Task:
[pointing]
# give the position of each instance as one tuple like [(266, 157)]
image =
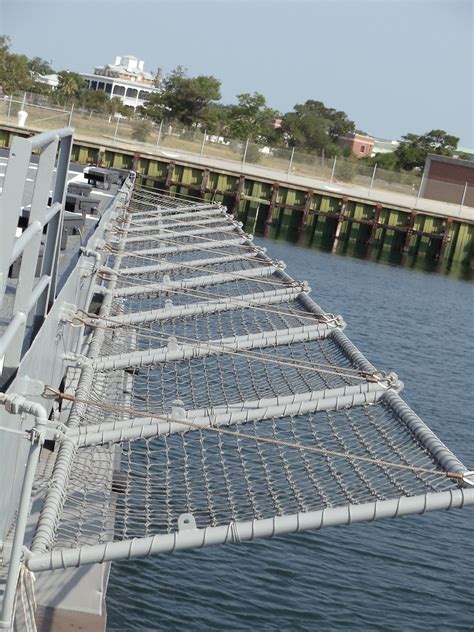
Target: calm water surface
[(407, 574)]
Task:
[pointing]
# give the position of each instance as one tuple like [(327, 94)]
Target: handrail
[(54, 153)]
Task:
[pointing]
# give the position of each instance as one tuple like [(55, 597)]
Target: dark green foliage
[(71, 88), (250, 118), (97, 101), (384, 161), (14, 73), (116, 105), (184, 99), (193, 101), (346, 169), (413, 149), (141, 129), (253, 154), (314, 127), (39, 66)]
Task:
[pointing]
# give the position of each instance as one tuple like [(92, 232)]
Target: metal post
[(245, 152), (53, 236), (333, 169), (372, 180), (10, 106), (463, 196), (159, 135), (116, 129), (69, 124), (291, 161), (256, 218), (29, 260), (419, 190), (203, 143), (37, 434)]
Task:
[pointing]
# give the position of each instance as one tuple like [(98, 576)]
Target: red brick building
[(360, 145), (448, 180)]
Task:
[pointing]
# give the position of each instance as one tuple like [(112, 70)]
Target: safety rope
[(195, 247), (254, 355), (326, 318), (26, 592), (51, 392), (163, 228), (236, 275)]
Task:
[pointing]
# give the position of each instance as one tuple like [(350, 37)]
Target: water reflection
[(390, 254)]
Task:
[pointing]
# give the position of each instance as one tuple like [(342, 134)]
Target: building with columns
[(125, 79)]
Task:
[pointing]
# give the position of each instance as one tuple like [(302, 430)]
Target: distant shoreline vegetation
[(194, 102)]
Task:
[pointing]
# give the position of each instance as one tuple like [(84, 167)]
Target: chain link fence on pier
[(175, 141)]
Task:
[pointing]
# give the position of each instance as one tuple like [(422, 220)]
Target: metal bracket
[(177, 409), (29, 386), (77, 358), (186, 522), (91, 252), (67, 312), (87, 269)]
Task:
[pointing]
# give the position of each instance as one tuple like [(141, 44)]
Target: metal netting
[(179, 296), (223, 397), (232, 378), (184, 270), (237, 322), (197, 251), (224, 478)]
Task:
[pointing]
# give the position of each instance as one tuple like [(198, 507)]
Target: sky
[(394, 66)]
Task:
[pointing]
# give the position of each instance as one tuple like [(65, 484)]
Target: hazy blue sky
[(394, 66)]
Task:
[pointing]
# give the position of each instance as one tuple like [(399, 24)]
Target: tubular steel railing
[(33, 359), (32, 295)]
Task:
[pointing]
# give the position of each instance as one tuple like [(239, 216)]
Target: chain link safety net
[(217, 402)]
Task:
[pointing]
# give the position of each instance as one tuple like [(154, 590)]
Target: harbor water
[(407, 574)]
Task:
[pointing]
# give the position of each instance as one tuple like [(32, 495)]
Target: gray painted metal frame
[(180, 421), (29, 297), (189, 537), (43, 556), (44, 361)]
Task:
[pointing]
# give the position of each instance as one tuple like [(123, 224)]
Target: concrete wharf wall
[(279, 208)]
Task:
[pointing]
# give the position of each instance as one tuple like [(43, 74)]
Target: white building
[(49, 80), (125, 79), (384, 146)]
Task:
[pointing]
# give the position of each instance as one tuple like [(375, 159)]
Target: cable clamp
[(36, 436), (172, 343), (77, 358), (332, 319), (468, 478), (386, 380)]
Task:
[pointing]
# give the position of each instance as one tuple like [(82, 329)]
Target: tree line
[(310, 127)]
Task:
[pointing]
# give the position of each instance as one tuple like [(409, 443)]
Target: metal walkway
[(210, 400)]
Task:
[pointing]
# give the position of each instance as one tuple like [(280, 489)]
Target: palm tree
[(71, 85)]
